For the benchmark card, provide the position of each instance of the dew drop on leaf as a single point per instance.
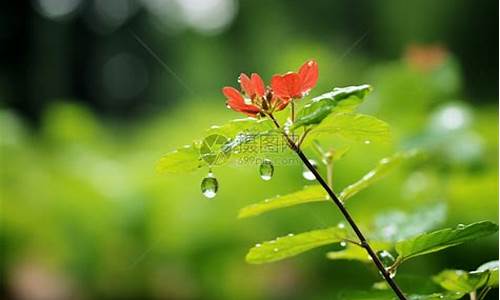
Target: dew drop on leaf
(386, 258)
(209, 186)
(341, 225)
(460, 226)
(343, 244)
(367, 142)
(266, 170)
(276, 249)
(307, 174)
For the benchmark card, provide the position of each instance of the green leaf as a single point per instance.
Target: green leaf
(384, 166)
(461, 281)
(311, 193)
(389, 295)
(438, 240)
(340, 99)
(355, 127)
(397, 225)
(492, 268)
(235, 133)
(438, 296)
(184, 159)
(235, 127)
(291, 245)
(353, 252)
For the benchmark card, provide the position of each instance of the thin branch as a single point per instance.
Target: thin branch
(363, 242)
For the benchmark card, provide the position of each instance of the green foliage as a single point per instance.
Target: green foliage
(184, 159)
(353, 126)
(441, 239)
(291, 245)
(339, 100)
(389, 295)
(461, 281)
(492, 268)
(311, 193)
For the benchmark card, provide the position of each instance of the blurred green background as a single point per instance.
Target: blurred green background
(92, 93)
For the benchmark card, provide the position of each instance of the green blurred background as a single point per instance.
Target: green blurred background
(92, 93)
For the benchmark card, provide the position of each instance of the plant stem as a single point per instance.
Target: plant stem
(363, 242)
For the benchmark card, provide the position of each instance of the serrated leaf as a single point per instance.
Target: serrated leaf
(393, 226)
(492, 268)
(184, 159)
(461, 281)
(353, 126)
(353, 252)
(311, 193)
(384, 166)
(340, 99)
(291, 245)
(441, 239)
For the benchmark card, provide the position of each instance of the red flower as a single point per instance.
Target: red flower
(295, 85)
(254, 90)
(284, 88)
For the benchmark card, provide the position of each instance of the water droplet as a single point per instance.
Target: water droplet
(386, 258)
(266, 170)
(290, 234)
(460, 226)
(257, 245)
(307, 174)
(341, 225)
(272, 242)
(367, 142)
(209, 186)
(343, 244)
(276, 249)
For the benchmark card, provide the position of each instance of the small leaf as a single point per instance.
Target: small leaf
(340, 99)
(492, 267)
(291, 245)
(353, 252)
(311, 193)
(461, 281)
(355, 127)
(184, 159)
(439, 240)
(385, 166)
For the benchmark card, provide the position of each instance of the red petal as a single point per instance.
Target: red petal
(237, 103)
(286, 86)
(258, 85)
(308, 75)
(246, 85)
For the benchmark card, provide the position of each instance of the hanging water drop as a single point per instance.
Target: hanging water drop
(386, 258)
(209, 186)
(307, 174)
(266, 170)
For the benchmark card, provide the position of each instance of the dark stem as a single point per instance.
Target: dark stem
(363, 242)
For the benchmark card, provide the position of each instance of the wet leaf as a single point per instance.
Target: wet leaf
(442, 239)
(291, 245)
(311, 193)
